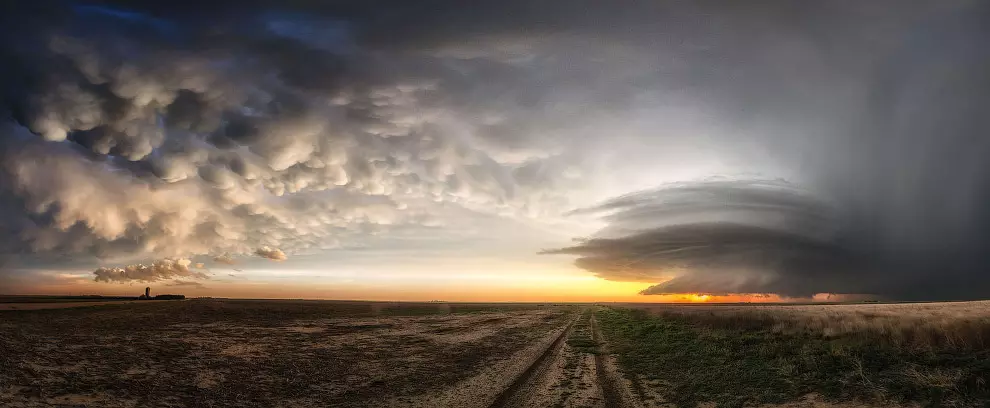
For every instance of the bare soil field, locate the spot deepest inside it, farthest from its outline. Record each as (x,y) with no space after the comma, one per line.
(12,299)
(65,305)
(292,353)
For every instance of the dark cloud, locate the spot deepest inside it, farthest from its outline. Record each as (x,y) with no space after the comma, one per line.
(261,127)
(149,129)
(720,237)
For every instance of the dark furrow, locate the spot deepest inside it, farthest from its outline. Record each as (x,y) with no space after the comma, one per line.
(516,391)
(611,396)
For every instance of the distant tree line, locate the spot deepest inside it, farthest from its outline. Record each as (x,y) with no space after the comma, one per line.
(169,297)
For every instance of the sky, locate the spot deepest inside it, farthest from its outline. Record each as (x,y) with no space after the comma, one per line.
(509,150)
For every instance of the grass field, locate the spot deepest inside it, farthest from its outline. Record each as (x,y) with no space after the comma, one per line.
(878,354)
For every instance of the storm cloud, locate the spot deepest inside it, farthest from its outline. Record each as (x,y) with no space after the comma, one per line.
(719,237)
(164,269)
(143,130)
(887,200)
(135,134)
(274,254)
(224,259)
(758,236)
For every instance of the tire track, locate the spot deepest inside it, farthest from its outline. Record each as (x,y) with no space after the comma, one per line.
(611,395)
(519,391)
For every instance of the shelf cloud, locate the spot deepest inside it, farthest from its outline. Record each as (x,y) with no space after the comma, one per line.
(758,236)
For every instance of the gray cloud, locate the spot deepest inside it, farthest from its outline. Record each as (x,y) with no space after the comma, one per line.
(234,141)
(164,269)
(722,237)
(274,254)
(225,259)
(744,236)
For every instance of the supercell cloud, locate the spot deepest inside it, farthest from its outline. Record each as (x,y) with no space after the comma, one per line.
(725,236)
(145,130)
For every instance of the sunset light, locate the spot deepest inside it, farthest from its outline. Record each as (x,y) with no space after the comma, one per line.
(494,203)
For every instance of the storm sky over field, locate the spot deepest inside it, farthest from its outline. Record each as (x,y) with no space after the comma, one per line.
(448,149)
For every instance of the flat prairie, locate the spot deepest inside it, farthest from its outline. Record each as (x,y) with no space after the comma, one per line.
(263,353)
(899,354)
(243,353)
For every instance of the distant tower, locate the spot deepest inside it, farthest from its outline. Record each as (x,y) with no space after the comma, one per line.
(147,292)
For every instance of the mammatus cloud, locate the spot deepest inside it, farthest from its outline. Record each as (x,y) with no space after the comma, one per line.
(225,259)
(127,135)
(167,131)
(164,269)
(274,254)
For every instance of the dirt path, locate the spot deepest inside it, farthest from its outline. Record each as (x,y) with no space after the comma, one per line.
(572,372)
(614,394)
(529,383)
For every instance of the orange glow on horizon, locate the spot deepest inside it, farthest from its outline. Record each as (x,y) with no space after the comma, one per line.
(539,288)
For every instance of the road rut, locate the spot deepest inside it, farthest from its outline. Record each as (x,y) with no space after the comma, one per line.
(572,372)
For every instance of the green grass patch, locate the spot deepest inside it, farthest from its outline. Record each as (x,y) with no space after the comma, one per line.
(583,345)
(751,364)
(580,339)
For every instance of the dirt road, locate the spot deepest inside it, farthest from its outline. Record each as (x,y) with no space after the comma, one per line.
(574,371)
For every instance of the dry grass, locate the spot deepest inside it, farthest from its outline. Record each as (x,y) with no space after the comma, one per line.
(238,353)
(929,354)
(914,326)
